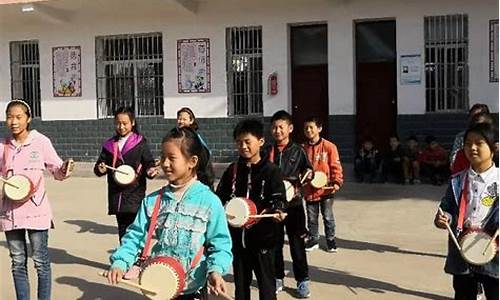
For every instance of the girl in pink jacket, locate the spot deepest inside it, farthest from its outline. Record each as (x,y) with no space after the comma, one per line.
(28,152)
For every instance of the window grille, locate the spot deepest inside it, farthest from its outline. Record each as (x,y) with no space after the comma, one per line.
(244,70)
(446,63)
(130,73)
(25,73)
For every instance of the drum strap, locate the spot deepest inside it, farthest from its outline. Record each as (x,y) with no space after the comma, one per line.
(152,225)
(463,204)
(5,155)
(233,188)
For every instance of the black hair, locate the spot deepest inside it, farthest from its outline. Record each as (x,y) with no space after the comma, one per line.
(191,114)
(315,120)
(282,115)
(487,131)
(478,108)
(191,145)
(481,116)
(22,103)
(127,110)
(396,136)
(250,126)
(430,138)
(412,137)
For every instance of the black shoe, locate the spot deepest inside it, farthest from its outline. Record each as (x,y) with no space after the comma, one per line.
(331,246)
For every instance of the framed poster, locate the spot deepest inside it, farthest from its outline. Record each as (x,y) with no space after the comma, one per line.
(67,71)
(494,50)
(410,69)
(193,65)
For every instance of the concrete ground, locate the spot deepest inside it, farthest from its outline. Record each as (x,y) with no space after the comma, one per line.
(388,247)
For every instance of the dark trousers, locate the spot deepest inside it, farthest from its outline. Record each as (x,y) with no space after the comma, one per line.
(296,241)
(124,220)
(466,286)
(260,261)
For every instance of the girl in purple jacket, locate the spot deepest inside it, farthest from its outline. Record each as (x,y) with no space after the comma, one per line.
(29,153)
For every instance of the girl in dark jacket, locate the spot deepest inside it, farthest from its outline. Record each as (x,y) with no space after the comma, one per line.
(127,147)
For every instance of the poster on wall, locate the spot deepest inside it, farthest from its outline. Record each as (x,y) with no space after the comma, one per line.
(193,65)
(67,71)
(494,50)
(410,69)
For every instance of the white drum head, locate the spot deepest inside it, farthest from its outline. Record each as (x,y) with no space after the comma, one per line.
(473,245)
(124,175)
(237,212)
(319,180)
(162,278)
(289,190)
(22,189)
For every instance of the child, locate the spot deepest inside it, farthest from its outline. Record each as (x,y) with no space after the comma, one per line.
(392,167)
(186,118)
(434,161)
(325,158)
(259,180)
(293,163)
(411,165)
(128,147)
(190,217)
(476,209)
(367,162)
(28,152)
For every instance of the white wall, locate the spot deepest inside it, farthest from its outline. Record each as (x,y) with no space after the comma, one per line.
(88,20)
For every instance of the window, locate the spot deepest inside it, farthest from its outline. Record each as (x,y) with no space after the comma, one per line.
(244,70)
(130,73)
(446,64)
(25,73)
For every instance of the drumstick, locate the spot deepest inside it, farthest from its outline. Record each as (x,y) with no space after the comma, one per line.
(491,241)
(305,176)
(266,215)
(221,294)
(116,170)
(450,231)
(131,284)
(6,181)
(69,167)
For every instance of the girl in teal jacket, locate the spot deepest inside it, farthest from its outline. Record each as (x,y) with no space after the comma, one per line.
(191,217)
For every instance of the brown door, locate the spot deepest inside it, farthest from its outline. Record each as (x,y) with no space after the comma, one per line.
(376,107)
(309,52)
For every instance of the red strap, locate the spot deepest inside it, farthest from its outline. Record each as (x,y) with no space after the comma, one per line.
(115,154)
(463,203)
(5,155)
(152,225)
(271,154)
(197,257)
(235,171)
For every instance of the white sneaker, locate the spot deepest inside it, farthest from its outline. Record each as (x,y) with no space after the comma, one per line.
(279,285)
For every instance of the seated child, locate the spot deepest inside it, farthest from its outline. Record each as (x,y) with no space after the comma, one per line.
(367,162)
(434,161)
(392,167)
(411,165)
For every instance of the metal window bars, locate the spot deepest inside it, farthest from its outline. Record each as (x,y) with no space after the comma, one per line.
(25,73)
(130,73)
(446,63)
(244,70)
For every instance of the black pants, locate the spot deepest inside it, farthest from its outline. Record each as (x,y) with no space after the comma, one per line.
(296,241)
(196,296)
(260,261)
(466,286)
(124,220)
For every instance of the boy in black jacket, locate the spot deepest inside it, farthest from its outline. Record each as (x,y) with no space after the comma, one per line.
(294,164)
(260,181)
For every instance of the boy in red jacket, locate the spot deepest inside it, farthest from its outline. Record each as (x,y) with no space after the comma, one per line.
(324,158)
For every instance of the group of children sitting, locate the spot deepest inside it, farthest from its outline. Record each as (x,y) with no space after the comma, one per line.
(411,164)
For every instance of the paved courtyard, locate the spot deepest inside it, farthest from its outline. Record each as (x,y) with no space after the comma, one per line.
(388,247)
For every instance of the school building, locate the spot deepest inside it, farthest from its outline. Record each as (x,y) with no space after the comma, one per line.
(367,68)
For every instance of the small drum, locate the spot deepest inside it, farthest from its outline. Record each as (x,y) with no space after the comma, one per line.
(163,274)
(124,175)
(319,180)
(476,247)
(18,188)
(238,211)
(289,190)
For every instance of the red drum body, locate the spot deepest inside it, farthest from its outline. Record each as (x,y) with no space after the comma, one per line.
(165,275)
(238,211)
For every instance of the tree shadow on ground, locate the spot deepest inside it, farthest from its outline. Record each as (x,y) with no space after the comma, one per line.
(97,291)
(93,227)
(61,256)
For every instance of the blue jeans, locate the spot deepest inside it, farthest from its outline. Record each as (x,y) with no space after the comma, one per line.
(18,248)
(313,208)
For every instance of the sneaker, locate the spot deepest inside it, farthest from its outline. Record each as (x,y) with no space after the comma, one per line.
(303,289)
(331,245)
(279,285)
(312,245)
(416,181)
(132,273)
(407,181)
